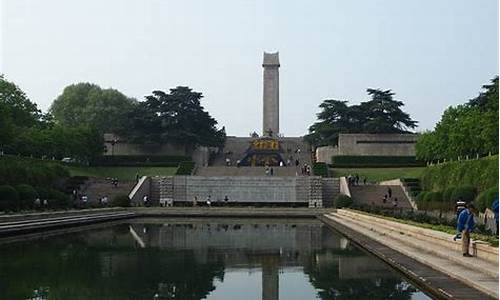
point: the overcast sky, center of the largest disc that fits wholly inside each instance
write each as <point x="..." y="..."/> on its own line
<point x="432" y="53"/>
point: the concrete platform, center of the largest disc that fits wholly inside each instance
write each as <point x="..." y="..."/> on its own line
<point x="15" y="227"/>
<point x="436" y="268"/>
<point x="231" y="212"/>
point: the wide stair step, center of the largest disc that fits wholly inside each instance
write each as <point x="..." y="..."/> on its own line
<point x="246" y="171"/>
<point x="426" y="248"/>
<point x="374" y="194"/>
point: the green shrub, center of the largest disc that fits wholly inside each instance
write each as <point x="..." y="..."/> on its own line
<point x="15" y="171"/>
<point x="55" y="198"/>
<point x="433" y="197"/>
<point x="320" y="169"/>
<point x="27" y="195"/>
<point x="9" y="197"/>
<point x="350" y="161"/>
<point x="410" y="180"/>
<point x="422" y="196"/>
<point x="447" y="194"/>
<point x="485" y="198"/>
<point x="185" y="168"/>
<point x="466" y="193"/>
<point x="480" y="173"/>
<point x="121" y="200"/>
<point x="343" y="201"/>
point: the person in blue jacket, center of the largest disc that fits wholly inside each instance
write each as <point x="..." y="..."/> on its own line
<point x="465" y="225"/>
<point x="494" y="208"/>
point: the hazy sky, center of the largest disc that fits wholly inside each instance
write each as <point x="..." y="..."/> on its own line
<point x="432" y="53"/>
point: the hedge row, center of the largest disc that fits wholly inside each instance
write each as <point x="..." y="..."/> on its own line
<point x="343" y="201"/>
<point x="185" y="168"/>
<point x="320" y="169"/>
<point x="349" y="161"/>
<point x="446" y="200"/>
<point x="34" y="172"/>
<point x="480" y="173"/>
<point x="22" y="196"/>
<point x="140" y="160"/>
<point x="450" y="195"/>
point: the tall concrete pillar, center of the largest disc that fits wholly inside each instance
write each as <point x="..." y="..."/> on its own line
<point x="271" y="114"/>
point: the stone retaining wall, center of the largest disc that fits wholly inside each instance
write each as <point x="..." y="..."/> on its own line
<point x="263" y="189"/>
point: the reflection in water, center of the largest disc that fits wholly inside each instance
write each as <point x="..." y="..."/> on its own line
<point x="187" y="259"/>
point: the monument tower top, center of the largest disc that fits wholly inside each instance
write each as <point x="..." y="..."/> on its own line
<point x="271" y="114"/>
<point x="271" y="59"/>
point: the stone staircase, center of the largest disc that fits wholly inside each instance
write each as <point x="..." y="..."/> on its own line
<point x="373" y="195"/>
<point x="331" y="188"/>
<point x="246" y="171"/>
<point x="97" y="188"/>
<point x="237" y="146"/>
<point x="433" y="248"/>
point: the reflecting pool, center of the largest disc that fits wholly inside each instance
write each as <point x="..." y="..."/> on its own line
<point x="197" y="259"/>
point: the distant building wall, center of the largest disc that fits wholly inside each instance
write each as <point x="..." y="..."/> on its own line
<point x="377" y="144"/>
<point x="324" y="154"/>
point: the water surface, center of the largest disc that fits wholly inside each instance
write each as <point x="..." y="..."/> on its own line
<point x="198" y="259"/>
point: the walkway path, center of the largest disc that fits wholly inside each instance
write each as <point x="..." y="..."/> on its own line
<point x="423" y="246"/>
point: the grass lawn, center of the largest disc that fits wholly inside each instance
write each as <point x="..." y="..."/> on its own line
<point x="379" y="174"/>
<point x="122" y="173"/>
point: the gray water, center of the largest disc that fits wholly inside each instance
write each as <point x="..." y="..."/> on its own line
<point x="197" y="259"/>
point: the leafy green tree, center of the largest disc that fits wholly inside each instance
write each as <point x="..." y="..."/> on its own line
<point x="88" y="104"/>
<point x="15" y="105"/>
<point x="382" y="114"/>
<point x="176" y="117"/>
<point x="467" y="129"/>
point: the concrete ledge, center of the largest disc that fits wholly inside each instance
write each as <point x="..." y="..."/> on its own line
<point x="35" y="225"/>
<point x="483" y="251"/>
<point x="478" y="274"/>
<point x="419" y="247"/>
<point x="242" y="212"/>
<point x="435" y="282"/>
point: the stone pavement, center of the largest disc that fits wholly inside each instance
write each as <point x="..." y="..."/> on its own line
<point x="434" y="249"/>
<point x="373" y="194"/>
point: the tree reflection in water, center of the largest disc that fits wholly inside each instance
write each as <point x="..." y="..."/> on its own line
<point x="154" y="260"/>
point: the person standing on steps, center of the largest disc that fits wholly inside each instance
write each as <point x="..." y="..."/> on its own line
<point x="465" y="225"/>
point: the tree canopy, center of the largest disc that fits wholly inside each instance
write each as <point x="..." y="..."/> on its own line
<point x="88" y="104"/>
<point x="381" y="114"/>
<point x="25" y="130"/>
<point x="467" y="129"/>
<point x="175" y="117"/>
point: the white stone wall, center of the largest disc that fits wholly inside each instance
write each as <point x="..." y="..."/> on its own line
<point x="377" y="144"/>
<point x="242" y="189"/>
<point x="324" y="154"/>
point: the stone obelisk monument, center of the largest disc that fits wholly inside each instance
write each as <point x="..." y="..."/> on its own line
<point x="271" y="114"/>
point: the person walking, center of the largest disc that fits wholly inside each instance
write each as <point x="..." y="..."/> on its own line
<point x="465" y="225"/>
<point x="389" y="192"/>
<point x="209" y="202"/>
<point x="271" y="171"/>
